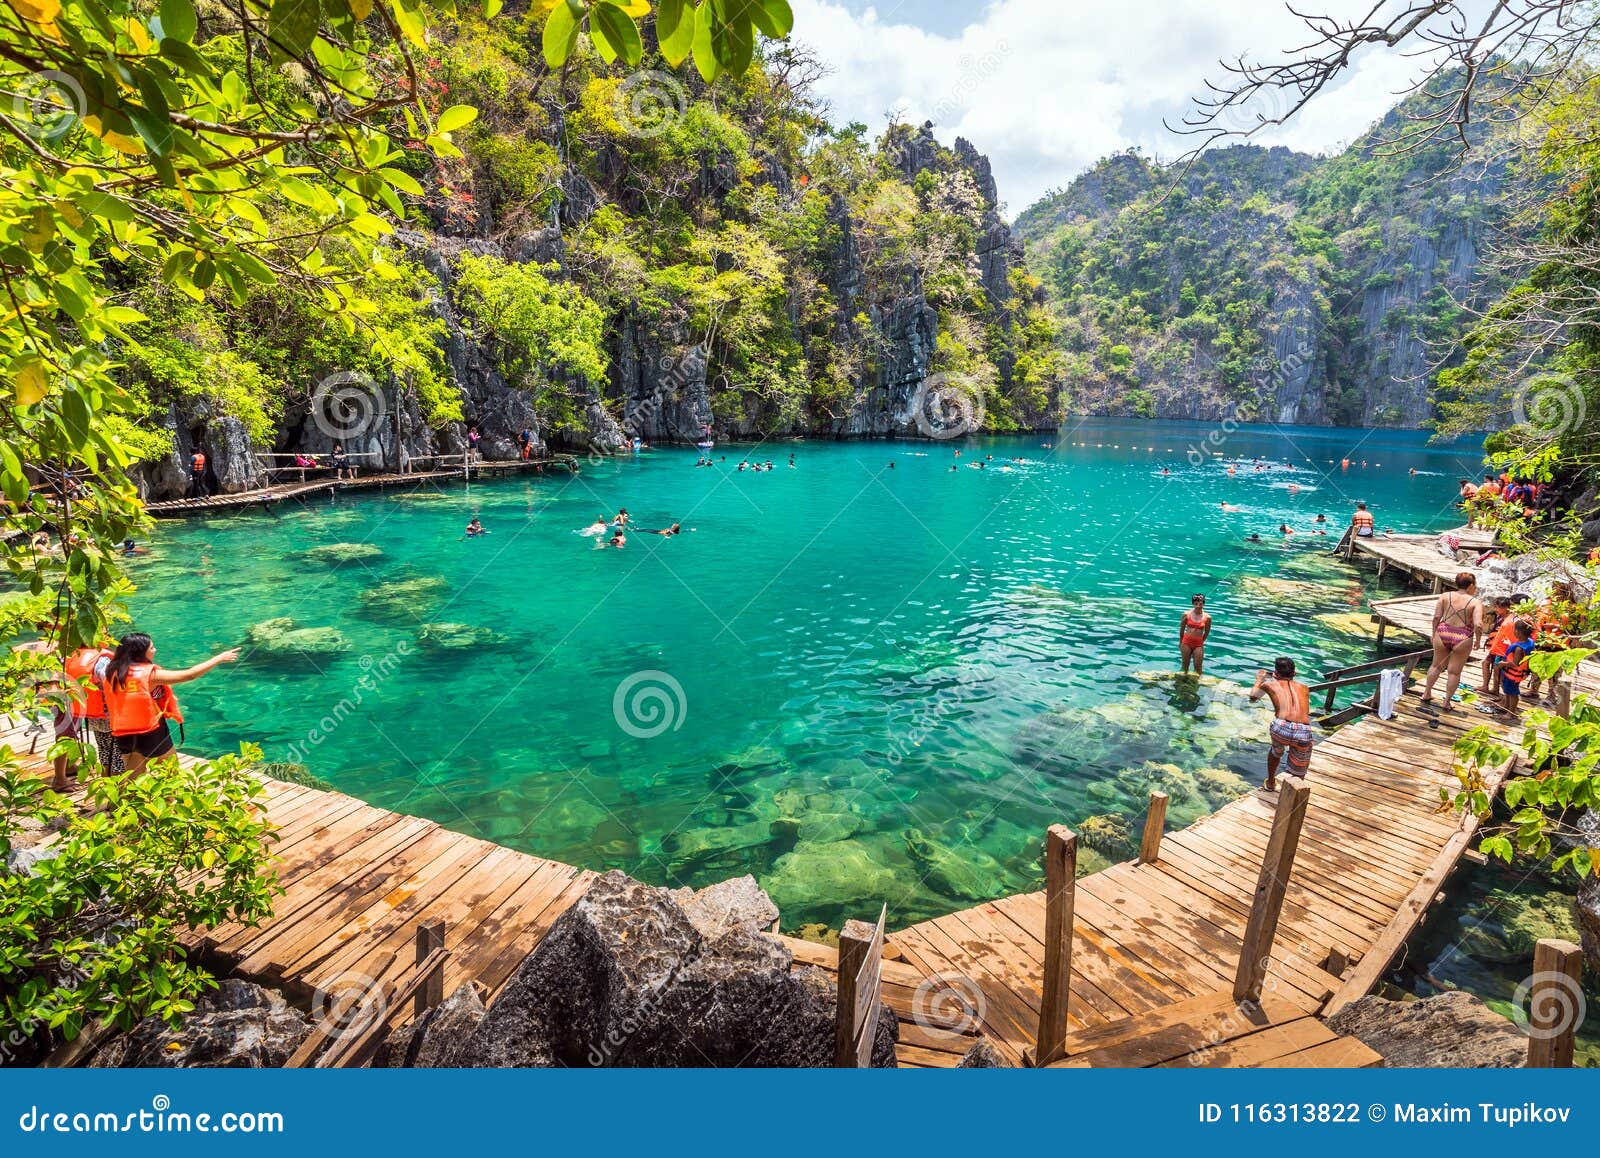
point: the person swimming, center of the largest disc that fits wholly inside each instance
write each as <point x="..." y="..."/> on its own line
<point x="475" y="528"/>
<point x="675" y="529"/>
<point x="1228" y="507"/>
<point x="598" y="527"/>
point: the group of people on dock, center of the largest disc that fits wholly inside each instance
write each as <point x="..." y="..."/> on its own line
<point x="1502" y="492"/>
<point x="119" y="697"/>
<point x="1462" y="622"/>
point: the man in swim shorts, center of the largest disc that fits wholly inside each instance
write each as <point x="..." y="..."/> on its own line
<point x="1291" y="725"/>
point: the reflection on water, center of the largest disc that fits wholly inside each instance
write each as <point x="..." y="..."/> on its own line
<point x="861" y="684"/>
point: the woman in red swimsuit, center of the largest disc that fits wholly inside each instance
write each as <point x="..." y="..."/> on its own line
<point x="1193" y="629"/>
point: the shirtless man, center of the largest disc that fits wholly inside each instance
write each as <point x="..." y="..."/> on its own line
<point x="1193" y="628"/>
<point x="1291" y="725"/>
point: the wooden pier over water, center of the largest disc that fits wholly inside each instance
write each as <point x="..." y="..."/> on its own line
<point x="303" y="488"/>
<point x="1156" y="942"/>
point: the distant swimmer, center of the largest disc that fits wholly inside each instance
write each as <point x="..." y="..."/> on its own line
<point x="1285" y="529"/>
<point x="1229" y="507"/>
<point x="1320" y="519"/>
<point x="1165" y="472"/>
<point x="1253" y="537"/>
<point x="474" y="529"/>
<point x="598" y="527"/>
<point x="675" y="529"/>
<point x="1231" y="471"/>
<point x="1294" y="488"/>
<point x="891" y="464"/>
<point x="617" y="540"/>
<point x="1344" y="464"/>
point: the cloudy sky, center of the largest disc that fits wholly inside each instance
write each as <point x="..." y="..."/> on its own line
<point x="1047" y="87"/>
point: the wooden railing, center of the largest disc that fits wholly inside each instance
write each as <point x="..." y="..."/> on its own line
<point x="1261" y="931"/>
<point x="294" y="465"/>
<point x="860" y="978"/>
<point x="351" y="1031"/>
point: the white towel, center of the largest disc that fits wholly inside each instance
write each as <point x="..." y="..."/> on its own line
<point x="1390" y="685"/>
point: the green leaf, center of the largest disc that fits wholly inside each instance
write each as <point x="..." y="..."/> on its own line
<point x="402" y="181"/>
<point x="491" y="8"/>
<point x="705" y="56"/>
<point x="619" y="30"/>
<point x="677" y="38"/>
<point x="774" y="17"/>
<point x="455" y="117"/>
<point x="294" y="23"/>
<point x="178" y="20"/>
<point x="560" y="35"/>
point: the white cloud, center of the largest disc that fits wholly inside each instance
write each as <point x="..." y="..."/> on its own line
<point x="1046" y="88"/>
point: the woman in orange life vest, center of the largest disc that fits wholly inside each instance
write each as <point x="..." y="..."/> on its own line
<point x="140" y="698"/>
<point x="1194" y="627"/>
<point x="85" y="670"/>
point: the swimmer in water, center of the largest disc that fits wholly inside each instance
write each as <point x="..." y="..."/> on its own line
<point x="1285" y="529"/>
<point x="1294" y="488"/>
<point x="475" y="528"/>
<point x="1229" y="507"/>
<point x="1321" y="519"/>
<point x="666" y="532"/>
<point x="598" y="527"/>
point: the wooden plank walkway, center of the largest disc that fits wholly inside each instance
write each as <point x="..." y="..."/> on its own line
<point x="1418" y="556"/>
<point x="1155" y="946"/>
<point x="282" y="492"/>
<point x="1155" y="942"/>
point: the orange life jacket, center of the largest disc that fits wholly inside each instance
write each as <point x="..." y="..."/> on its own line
<point x="136" y="707"/>
<point x="88" y="699"/>
<point x="198" y="461"/>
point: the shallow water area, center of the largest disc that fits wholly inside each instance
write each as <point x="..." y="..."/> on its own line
<point x="861" y="683"/>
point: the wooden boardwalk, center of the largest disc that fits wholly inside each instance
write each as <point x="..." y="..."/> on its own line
<point x="284" y="492"/>
<point x="1418" y="556"/>
<point x="1156" y="946"/>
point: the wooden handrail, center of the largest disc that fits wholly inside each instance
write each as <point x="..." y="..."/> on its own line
<point x="1375" y="664"/>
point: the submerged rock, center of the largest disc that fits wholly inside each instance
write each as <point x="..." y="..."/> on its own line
<point x="1108" y="834"/>
<point x="1297" y="594"/>
<point x="626" y="977"/>
<point x="1356" y="624"/>
<point x="967" y="872"/>
<point x="238" y="1025"/>
<point x="402" y="600"/>
<point x="1509" y="923"/>
<point x="281" y="639"/>
<point x="694" y="843"/>
<point x="293" y="774"/>
<point x="457" y="636"/>
<point x="844" y="873"/>
<point x="1452" y="1030"/>
<point x="338" y="554"/>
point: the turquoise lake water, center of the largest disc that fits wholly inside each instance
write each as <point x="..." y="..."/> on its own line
<point x="861" y="684"/>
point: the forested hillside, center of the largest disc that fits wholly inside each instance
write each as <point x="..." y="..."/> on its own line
<point x="622" y="253"/>
<point x="1267" y="284"/>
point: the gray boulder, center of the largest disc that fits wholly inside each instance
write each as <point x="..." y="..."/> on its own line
<point x="424" y="1043"/>
<point x="630" y="976"/>
<point x="739" y="903"/>
<point x="983" y="1056"/>
<point x="1452" y="1030"/>
<point x="238" y="1026"/>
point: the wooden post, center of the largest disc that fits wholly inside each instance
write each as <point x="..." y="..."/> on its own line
<point x="1060" y="877"/>
<point x="1155" y="823"/>
<point x="860" y="972"/>
<point x="1555" y="1005"/>
<point x="430" y="936"/>
<point x="1563" y="697"/>
<point x="1276" y="865"/>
